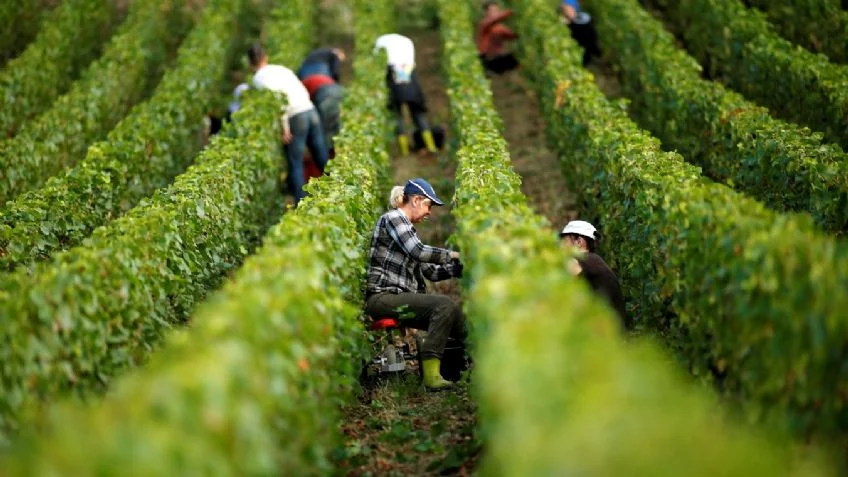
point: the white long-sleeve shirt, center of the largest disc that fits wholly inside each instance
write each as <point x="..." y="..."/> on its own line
<point x="279" y="78"/>
<point x="399" y="49"/>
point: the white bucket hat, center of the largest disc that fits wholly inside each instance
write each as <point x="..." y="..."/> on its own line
<point x="579" y="227"/>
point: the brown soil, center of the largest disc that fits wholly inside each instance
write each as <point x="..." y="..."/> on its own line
<point x="539" y="167"/>
<point x="399" y="430"/>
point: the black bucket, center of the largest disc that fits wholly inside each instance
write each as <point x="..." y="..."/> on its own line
<point x="454" y="360"/>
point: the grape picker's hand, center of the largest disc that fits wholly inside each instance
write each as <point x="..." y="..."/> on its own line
<point x="454" y="255"/>
<point x="574" y="267"/>
<point x="287" y="137"/>
<point x="457" y="269"/>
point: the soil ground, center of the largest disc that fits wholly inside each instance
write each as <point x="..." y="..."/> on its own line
<point x="539" y="167"/>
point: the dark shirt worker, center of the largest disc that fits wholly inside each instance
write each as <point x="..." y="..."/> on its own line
<point x="589" y="265"/>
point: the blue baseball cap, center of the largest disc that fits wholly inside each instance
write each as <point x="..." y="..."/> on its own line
<point x="419" y="186"/>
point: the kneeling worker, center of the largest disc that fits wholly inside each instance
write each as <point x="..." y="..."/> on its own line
<point x="492" y="34"/>
<point x="582" y="235"/>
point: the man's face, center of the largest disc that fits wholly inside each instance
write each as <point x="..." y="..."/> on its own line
<point x="574" y="241"/>
<point x="421" y="207"/>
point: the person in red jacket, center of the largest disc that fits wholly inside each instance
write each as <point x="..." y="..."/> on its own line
<point x="492" y="36"/>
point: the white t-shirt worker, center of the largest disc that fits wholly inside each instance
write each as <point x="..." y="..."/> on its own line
<point x="281" y="79"/>
<point x="401" y="55"/>
<point x="301" y="122"/>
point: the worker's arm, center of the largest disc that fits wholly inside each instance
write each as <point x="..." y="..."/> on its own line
<point x="335" y="68"/>
<point x="574" y="267"/>
<point x="503" y="15"/>
<point x="437" y="273"/>
<point x="401" y="231"/>
<point x="285" y="128"/>
<point x="379" y="44"/>
<point x="504" y="32"/>
<point x="285" y="133"/>
<point x="489" y="23"/>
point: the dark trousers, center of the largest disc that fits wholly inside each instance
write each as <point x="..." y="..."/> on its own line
<point x="419" y="118"/>
<point x="440" y="316"/>
<point x="409" y="94"/>
<point x="328" y="100"/>
<point x="586" y="36"/>
<point x="306" y="132"/>
<point x="500" y="64"/>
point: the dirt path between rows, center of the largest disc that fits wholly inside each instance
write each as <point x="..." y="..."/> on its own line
<point x="542" y="175"/>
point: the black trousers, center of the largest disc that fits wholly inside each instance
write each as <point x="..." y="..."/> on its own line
<point x="586" y="36"/>
<point x="407" y="94"/>
<point x="500" y="64"/>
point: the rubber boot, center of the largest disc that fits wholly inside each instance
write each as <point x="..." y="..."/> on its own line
<point x="403" y="142"/>
<point x="427" y="136"/>
<point x="433" y="379"/>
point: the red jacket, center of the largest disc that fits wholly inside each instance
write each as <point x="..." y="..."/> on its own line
<point x="492" y="36"/>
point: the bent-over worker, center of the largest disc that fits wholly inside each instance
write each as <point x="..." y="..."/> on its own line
<point x="404" y="89"/>
<point x="399" y="262"/>
<point x="591" y="266"/>
<point x="301" y="123"/>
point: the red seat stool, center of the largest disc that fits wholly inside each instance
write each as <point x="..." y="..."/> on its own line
<point x="392" y="359"/>
<point x="384" y="324"/>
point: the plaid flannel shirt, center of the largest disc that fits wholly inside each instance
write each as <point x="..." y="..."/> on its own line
<point x="399" y="261"/>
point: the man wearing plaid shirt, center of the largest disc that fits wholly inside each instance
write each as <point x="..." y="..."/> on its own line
<point x="397" y="265"/>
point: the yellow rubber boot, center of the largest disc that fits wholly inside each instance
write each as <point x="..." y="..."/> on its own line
<point x="427" y="135"/>
<point x="403" y="142"/>
<point x="433" y="379"/>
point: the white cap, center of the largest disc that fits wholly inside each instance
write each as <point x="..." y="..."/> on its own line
<point x="579" y="227"/>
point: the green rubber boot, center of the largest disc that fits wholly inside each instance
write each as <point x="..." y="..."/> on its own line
<point x="427" y="135"/>
<point x="433" y="379"/>
<point x="403" y="142"/>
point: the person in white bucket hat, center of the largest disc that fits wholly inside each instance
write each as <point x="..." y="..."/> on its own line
<point x="589" y="265"/>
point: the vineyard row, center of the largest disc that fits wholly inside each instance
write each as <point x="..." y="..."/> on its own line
<point x="560" y="392"/>
<point x="724" y="279"/>
<point x="271" y="357"/>
<point x="735" y="141"/>
<point x="750" y="57"/>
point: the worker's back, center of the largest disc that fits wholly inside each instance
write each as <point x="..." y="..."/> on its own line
<point x="491" y="35"/>
<point x="281" y="79"/>
<point x="399" y="49"/>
